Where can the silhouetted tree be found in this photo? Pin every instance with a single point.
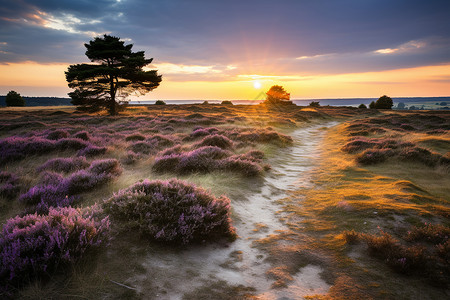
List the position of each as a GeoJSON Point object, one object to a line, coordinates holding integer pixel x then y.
{"type": "Point", "coordinates": [372, 105]}
{"type": "Point", "coordinates": [14, 99]}
{"type": "Point", "coordinates": [116, 74]}
{"type": "Point", "coordinates": [314, 104]}
{"type": "Point", "coordinates": [401, 105]}
{"type": "Point", "coordinates": [362, 105]}
{"type": "Point", "coordinates": [277, 94]}
{"type": "Point", "coordinates": [384, 102]}
{"type": "Point", "coordinates": [160, 102]}
{"type": "Point", "coordinates": [226, 102]}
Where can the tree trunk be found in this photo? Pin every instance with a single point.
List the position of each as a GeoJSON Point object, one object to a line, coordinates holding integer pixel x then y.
{"type": "Point", "coordinates": [112, 93]}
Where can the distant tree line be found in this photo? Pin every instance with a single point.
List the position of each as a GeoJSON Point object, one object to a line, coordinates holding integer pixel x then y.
{"type": "Point", "coordinates": [39, 101]}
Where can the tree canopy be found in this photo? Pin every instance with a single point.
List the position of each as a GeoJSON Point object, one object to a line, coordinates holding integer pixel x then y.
{"type": "Point", "coordinates": [117, 72]}
{"type": "Point", "coordinates": [277, 93]}
{"type": "Point", "coordinates": [384, 102]}
{"type": "Point", "coordinates": [14, 99]}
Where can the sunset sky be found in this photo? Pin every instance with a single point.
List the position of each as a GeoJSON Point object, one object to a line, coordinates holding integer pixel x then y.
{"type": "Point", "coordinates": [236, 49]}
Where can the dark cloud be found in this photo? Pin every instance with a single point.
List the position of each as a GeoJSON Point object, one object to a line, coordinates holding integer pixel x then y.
{"type": "Point", "coordinates": [256, 36]}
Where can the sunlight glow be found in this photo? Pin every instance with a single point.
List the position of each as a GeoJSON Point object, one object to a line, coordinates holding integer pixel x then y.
{"type": "Point", "coordinates": [257, 85]}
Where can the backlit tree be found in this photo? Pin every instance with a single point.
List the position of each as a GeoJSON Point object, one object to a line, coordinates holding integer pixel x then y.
{"type": "Point", "coordinates": [117, 72]}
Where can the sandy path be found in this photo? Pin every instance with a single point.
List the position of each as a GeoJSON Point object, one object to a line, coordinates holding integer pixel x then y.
{"type": "Point", "coordinates": [171, 274]}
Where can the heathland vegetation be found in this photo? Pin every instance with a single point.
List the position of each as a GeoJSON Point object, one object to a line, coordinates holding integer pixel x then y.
{"type": "Point", "coordinates": [99, 206]}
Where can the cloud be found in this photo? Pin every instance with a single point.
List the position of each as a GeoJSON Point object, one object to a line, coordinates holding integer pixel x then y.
{"type": "Point", "coordinates": [255, 37]}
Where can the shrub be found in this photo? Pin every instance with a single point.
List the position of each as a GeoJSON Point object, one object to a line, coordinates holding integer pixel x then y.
{"type": "Point", "coordinates": [14, 148]}
{"type": "Point", "coordinates": [65, 165]}
{"type": "Point", "coordinates": [167, 163]}
{"type": "Point", "coordinates": [417, 154]}
{"type": "Point", "coordinates": [401, 258]}
{"type": "Point", "coordinates": [431, 233]}
{"type": "Point", "coordinates": [160, 102]}
{"type": "Point", "coordinates": [84, 135]}
{"type": "Point", "coordinates": [57, 134]}
{"type": "Point", "coordinates": [201, 160]}
{"type": "Point", "coordinates": [9, 184]}
{"type": "Point", "coordinates": [362, 105]}
{"type": "Point", "coordinates": [130, 158]}
{"type": "Point", "coordinates": [92, 150]}
{"type": "Point", "coordinates": [217, 140]}
{"type": "Point", "coordinates": [199, 132]}
{"type": "Point", "coordinates": [314, 104]}
{"type": "Point", "coordinates": [36, 245]}
{"type": "Point", "coordinates": [106, 167]}
{"type": "Point", "coordinates": [135, 137]}
{"type": "Point", "coordinates": [374, 156]}
{"type": "Point", "coordinates": [172, 211]}
{"type": "Point", "coordinates": [226, 102]}
{"type": "Point", "coordinates": [384, 102]}
{"type": "Point", "coordinates": [173, 150]}
{"type": "Point", "coordinates": [142, 147]}
{"type": "Point", "coordinates": [71, 143]}
{"type": "Point", "coordinates": [240, 165]}
{"type": "Point", "coordinates": [14, 99]}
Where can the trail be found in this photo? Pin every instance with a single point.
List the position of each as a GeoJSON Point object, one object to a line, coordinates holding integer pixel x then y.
{"type": "Point", "coordinates": [171, 274]}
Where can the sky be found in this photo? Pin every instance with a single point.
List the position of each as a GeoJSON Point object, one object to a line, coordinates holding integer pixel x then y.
{"type": "Point", "coordinates": [236, 49]}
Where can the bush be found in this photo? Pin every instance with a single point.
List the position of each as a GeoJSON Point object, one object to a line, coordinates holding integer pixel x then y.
{"type": "Point", "coordinates": [216, 140]}
{"type": "Point", "coordinates": [226, 102]}
{"type": "Point", "coordinates": [9, 184]}
{"type": "Point", "coordinates": [130, 158]}
{"type": "Point", "coordinates": [110, 167]}
{"type": "Point", "coordinates": [160, 102]}
{"type": "Point", "coordinates": [374, 156]}
{"type": "Point", "coordinates": [71, 144]}
{"type": "Point", "coordinates": [241, 165]}
{"type": "Point", "coordinates": [36, 245]}
{"type": "Point", "coordinates": [142, 147]}
{"type": "Point", "coordinates": [172, 211]}
{"type": "Point", "coordinates": [14, 148]}
{"type": "Point", "coordinates": [92, 150]}
{"type": "Point", "coordinates": [384, 102]}
{"type": "Point", "coordinates": [65, 165]}
{"type": "Point", "coordinates": [135, 137]}
{"type": "Point", "coordinates": [417, 154]}
{"type": "Point", "coordinates": [84, 135]}
{"type": "Point", "coordinates": [57, 134]}
{"type": "Point", "coordinates": [362, 105]}
{"type": "Point", "coordinates": [314, 104]}
{"type": "Point", "coordinates": [14, 99]}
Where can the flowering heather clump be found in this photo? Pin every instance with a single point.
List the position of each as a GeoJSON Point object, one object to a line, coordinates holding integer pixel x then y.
{"type": "Point", "coordinates": [217, 140]}
{"type": "Point", "coordinates": [14, 148]}
{"type": "Point", "coordinates": [92, 150]}
{"type": "Point", "coordinates": [9, 184]}
{"type": "Point", "coordinates": [199, 132]}
{"type": "Point", "coordinates": [241, 165]}
{"type": "Point", "coordinates": [172, 211]}
{"type": "Point", "coordinates": [50, 178]}
{"type": "Point", "coordinates": [173, 150]}
{"type": "Point", "coordinates": [265, 136]}
{"type": "Point", "coordinates": [401, 258]}
{"type": "Point", "coordinates": [84, 135]}
{"type": "Point", "coordinates": [57, 134]}
{"type": "Point", "coordinates": [106, 166]}
{"type": "Point", "coordinates": [71, 144]}
{"type": "Point", "coordinates": [160, 141]}
{"type": "Point", "coordinates": [135, 137]}
{"type": "Point", "coordinates": [374, 156]}
{"type": "Point", "coordinates": [431, 233]}
{"type": "Point", "coordinates": [65, 165]}
{"type": "Point", "coordinates": [35, 245]}
{"type": "Point", "coordinates": [142, 147]}
{"type": "Point", "coordinates": [417, 154]}
{"type": "Point", "coordinates": [130, 158]}
{"type": "Point", "coordinates": [202, 160]}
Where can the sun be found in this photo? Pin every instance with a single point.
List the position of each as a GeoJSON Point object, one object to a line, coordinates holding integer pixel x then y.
{"type": "Point", "coordinates": [257, 85]}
